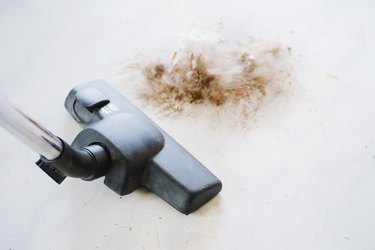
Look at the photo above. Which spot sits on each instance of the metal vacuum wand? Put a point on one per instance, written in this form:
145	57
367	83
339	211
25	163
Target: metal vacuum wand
28	131
57	158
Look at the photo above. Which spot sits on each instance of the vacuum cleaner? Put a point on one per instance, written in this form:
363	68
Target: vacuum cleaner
118	142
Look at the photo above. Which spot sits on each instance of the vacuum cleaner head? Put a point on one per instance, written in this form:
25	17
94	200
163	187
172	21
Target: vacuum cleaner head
139	152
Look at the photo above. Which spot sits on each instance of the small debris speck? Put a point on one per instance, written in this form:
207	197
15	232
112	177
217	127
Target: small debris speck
130	228
159	217
333	76
347	237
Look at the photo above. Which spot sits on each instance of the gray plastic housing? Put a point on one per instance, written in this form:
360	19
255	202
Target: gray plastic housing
142	154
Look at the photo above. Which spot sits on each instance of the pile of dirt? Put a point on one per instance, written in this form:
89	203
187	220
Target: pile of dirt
221	75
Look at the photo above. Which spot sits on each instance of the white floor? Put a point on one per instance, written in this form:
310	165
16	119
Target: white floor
302	178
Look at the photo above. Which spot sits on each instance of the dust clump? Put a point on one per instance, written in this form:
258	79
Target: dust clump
230	80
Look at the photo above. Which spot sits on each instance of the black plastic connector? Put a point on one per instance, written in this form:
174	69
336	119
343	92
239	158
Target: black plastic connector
88	163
